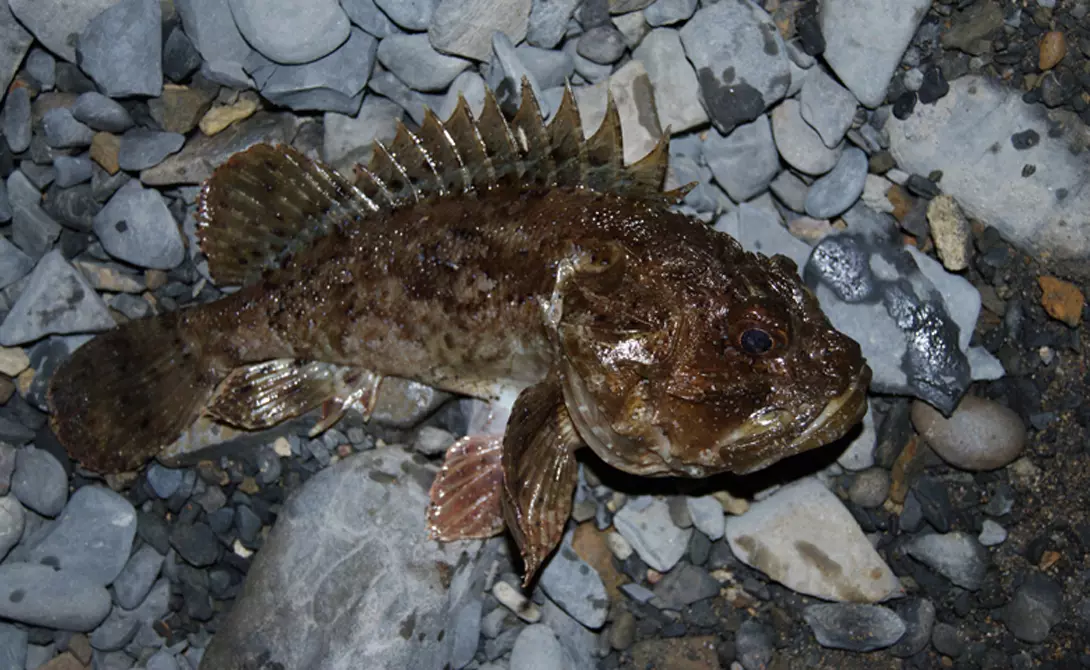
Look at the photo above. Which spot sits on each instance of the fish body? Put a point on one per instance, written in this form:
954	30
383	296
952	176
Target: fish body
503	260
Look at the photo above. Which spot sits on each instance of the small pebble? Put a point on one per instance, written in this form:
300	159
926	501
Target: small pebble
991	533
39	481
854	627
1053	50
957	556
1061	299
870	488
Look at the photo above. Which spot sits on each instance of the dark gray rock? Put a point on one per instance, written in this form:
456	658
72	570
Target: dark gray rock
957	556
586	68
854	627
602	44
41	65
136	226
575	586
333	83
7	466
101	113
13	646
56	22
918	615
1036	607
948	640
14	264
74	207
180	57
740	60
38	175
753	644
62	131
164	481
685	585
72	170
39	481
122	625
412	59
212	30
14	42
57	299
412	15
122	49
137	577
38	595
291	31
833	193
142	148
367	15
745	161
5	204
247	523
549	21
15	119
196	543
12	522
92	538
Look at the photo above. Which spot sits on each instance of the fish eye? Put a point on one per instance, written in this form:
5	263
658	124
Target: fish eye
755	341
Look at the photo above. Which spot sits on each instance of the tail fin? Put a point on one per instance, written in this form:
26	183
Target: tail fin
129	392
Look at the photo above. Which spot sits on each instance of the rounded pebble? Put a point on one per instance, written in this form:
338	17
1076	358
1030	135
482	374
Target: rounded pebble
41	596
12	520
870	488
980	435
956	556
798	143
854	627
838	190
39	481
1036	607
991	533
292	31
536	648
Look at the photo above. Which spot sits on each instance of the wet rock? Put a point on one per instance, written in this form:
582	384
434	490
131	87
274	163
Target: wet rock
39	481
212	30
332	83
740	61
677	92
980	435
833	193
122	49
956	556
803	537
290	31
575	586
745	161
136	226
866	66
465	27
1036	607
798	143
54	22
15	119
827	106
854	627
412	59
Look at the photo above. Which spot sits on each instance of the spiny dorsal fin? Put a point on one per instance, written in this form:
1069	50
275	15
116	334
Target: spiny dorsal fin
267	201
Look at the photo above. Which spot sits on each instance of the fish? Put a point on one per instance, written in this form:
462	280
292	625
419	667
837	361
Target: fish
508	260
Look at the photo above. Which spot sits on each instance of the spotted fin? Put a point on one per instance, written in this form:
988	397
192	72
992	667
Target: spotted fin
465	496
267	201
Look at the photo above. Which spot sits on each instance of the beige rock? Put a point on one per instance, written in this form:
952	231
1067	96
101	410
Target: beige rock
13	360
218	118
981	434
951	232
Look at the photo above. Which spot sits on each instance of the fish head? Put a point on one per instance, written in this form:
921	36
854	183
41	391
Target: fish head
720	362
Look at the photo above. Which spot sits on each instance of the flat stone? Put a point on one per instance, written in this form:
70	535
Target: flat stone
798	143
180	57
867	65
414	15
142	148
413	60
827	106
54	22
991	534
92	538
39	481
348	140
38	595
365	517
685	585
465	27
677	92
136	226
645	523
744	162
333	83
740	61
137	577
803	537
1036	607
548	22
707	515
56	300
854	627
12	522
42	67
14	264
834	192
669	12
15	119
62	131
537	648
291	31
468	85
575	586
180	108
14	42
506	72
980	435
121	49
222	116
367	15
586	68
72	170
122	626
13	641
601	44
212	30
414	103
957	556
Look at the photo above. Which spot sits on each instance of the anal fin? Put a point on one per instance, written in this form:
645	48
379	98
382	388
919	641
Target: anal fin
465	496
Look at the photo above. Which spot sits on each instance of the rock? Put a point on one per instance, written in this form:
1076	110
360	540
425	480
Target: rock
951	232
537	648
827	106
92	538
414	15
122	626
13	641
41	66
14	42
866	66
15	119
136	226
549	69
122	49
348	139
72	170
465	27
918	615
970	27
645	522
980	435
332	83
196	543
1062	300
12	522
55	22
870	488
631	89
180	108
290	31
506	72
7	466
803	537
991	534
860	453
412	59
14	264
707	515
956	556
212	30
373	505
685	585
669	12
744	162
414	103
367	15
142	148
104	150
221	116
697	652
854	627
754	644
740	61
137	577
677	92
575	586
39	481
933	86
798	143
602	44
833	193
758	229
62	131
1036	607
180	57
56	300
1053	48
33	230
549	21
38	595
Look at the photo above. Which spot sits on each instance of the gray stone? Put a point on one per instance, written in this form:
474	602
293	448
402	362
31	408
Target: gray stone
575	586
586	68
1036	607
92	538
833	193
162	660
506	72
367	15
55	22
414	103
137	577
72	170
7	466
412	59
291	31
602	44
101	113
469	85
43	67
211	28
860	453
854	627
758	228
333	83
548	67
39	176
781	534
870	488
740	60
12	521
15	119
14	42
549	21
164	481
685	585
348	139
918	615
867	65
645	522
669	12
136	226
201	155
14	264
744	162
38	595
365	517
707	515
465	27
827	106
122	625
677	92
413	15
798	143
180	57
957	556
13	647
991	534
631	89
537	648
754	644
75	207
5	204
57	299
39	481
121	49
142	148
62	131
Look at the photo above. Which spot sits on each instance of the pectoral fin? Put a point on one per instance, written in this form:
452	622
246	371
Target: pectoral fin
465	496
539	472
